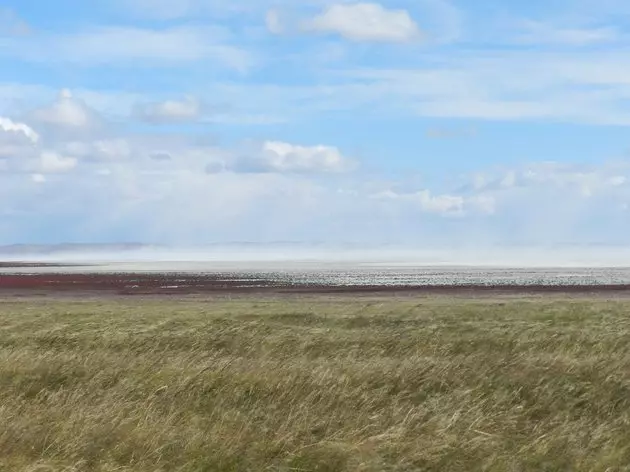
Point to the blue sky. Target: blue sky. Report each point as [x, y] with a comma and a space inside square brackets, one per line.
[410, 122]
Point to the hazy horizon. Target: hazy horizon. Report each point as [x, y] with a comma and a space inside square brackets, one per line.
[239, 255]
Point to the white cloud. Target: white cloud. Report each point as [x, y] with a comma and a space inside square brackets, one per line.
[129, 176]
[38, 178]
[99, 149]
[170, 111]
[174, 200]
[10, 150]
[52, 162]
[590, 87]
[523, 85]
[166, 152]
[18, 142]
[67, 146]
[484, 204]
[202, 187]
[67, 112]
[273, 157]
[278, 156]
[129, 46]
[11, 126]
[617, 180]
[442, 204]
[509, 180]
[19, 146]
[536, 32]
[567, 180]
[18, 98]
[439, 203]
[365, 22]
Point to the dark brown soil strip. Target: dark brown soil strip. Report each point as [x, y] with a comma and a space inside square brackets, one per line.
[184, 284]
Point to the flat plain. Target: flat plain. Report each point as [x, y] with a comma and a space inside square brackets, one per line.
[314, 383]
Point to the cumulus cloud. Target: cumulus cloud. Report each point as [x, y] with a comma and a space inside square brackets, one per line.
[173, 201]
[554, 201]
[439, 203]
[443, 204]
[113, 149]
[109, 175]
[52, 162]
[180, 187]
[583, 180]
[11, 126]
[170, 111]
[617, 180]
[278, 156]
[365, 22]
[18, 142]
[66, 145]
[67, 112]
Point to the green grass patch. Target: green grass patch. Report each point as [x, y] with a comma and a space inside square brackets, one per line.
[314, 384]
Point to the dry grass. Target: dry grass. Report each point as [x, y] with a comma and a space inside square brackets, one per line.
[314, 385]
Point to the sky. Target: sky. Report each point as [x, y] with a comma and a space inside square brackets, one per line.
[406, 122]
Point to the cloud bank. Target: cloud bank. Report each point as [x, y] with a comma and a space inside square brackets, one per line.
[410, 122]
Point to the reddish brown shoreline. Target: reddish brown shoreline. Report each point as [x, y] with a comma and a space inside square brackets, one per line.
[189, 284]
[19, 265]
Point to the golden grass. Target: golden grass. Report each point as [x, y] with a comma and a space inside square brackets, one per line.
[314, 384]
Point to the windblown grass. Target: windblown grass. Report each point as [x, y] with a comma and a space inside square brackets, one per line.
[314, 384]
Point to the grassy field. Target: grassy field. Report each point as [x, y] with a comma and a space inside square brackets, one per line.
[314, 384]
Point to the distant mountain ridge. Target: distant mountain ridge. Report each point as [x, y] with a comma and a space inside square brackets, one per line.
[17, 250]
[43, 249]
[96, 248]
